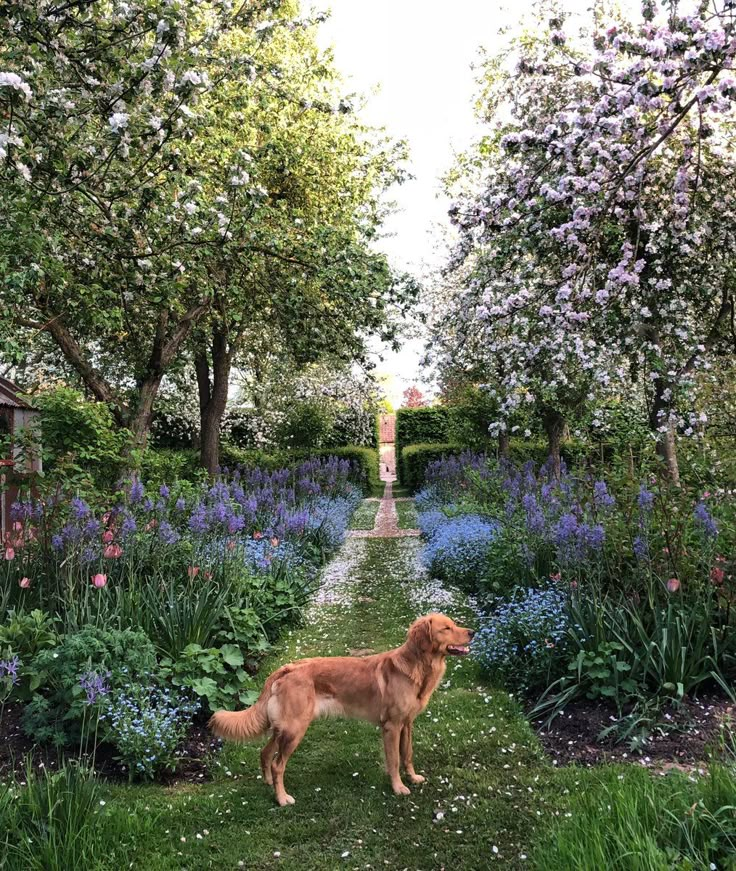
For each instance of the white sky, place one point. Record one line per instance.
(412, 59)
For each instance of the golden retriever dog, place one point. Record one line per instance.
(388, 689)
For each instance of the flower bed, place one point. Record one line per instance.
(588, 591)
(180, 590)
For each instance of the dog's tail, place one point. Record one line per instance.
(250, 723)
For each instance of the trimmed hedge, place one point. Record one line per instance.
(421, 426)
(365, 459)
(415, 459)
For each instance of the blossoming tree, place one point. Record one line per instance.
(598, 235)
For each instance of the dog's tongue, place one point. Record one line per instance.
(458, 650)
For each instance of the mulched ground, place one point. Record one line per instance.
(15, 747)
(685, 741)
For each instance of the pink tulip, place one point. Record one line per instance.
(193, 571)
(673, 585)
(555, 577)
(257, 535)
(152, 524)
(106, 517)
(717, 576)
(113, 551)
(24, 583)
(274, 542)
(99, 580)
(9, 553)
(17, 526)
(108, 535)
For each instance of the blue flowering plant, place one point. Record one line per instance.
(146, 724)
(522, 643)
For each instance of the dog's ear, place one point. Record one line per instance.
(420, 634)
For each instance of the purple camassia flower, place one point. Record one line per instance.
(198, 520)
(92, 527)
(80, 509)
(70, 532)
(601, 496)
(128, 526)
(25, 509)
(646, 498)
(147, 504)
(705, 520)
(137, 491)
(89, 555)
(164, 491)
(167, 533)
(9, 668)
(57, 542)
(180, 503)
(640, 548)
(95, 685)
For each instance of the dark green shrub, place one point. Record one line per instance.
(79, 435)
(308, 425)
(414, 459)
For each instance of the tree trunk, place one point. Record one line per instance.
(212, 388)
(503, 445)
(666, 443)
(140, 420)
(554, 426)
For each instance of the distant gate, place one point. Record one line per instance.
(387, 429)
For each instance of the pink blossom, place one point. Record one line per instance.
(717, 575)
(24, 583)
(673, 585)
(99, 580)
(108, 536)
(193, 571)
(9, 553)
(113, 551)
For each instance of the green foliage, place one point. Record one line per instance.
(414, 459)
(308, 425)
(216, 675)
(57, 708)
(80, 438)
(25, 635)
(635, 822)
(157, 466)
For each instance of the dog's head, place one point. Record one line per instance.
(438, 635)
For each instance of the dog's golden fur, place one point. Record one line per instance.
(388, 689)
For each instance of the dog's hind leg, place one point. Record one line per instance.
(286, 744)
(267, 755)
(407, 752)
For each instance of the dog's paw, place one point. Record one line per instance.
(417, 778)
(286, 799)
(401, 789)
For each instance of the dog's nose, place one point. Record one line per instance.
(471, 633)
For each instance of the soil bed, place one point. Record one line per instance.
(683, 739)
(16, 747)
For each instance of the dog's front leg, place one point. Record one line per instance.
(407, 753)
(391, 737)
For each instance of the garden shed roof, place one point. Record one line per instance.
(9, 396)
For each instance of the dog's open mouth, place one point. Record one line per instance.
(458, 649)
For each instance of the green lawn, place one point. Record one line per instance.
(365, 515)
(407, 514)
(490, 795)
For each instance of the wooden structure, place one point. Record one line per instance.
(16, 459)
